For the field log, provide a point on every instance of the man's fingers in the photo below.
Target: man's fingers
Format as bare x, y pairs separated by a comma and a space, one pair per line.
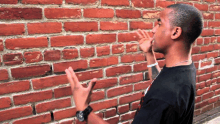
143, 33
92, 84
75, 79
148, 36
69, 77
138, 33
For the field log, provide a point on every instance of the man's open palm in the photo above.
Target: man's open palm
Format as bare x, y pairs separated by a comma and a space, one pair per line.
81, 95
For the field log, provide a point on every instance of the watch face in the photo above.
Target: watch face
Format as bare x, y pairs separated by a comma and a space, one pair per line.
80, 116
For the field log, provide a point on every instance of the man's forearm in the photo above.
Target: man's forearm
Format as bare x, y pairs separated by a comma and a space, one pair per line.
95, 119
155, 70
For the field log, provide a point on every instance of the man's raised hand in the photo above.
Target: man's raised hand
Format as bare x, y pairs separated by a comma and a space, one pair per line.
145, 41
81, 95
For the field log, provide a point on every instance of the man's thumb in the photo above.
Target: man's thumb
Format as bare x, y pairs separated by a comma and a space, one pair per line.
92, 83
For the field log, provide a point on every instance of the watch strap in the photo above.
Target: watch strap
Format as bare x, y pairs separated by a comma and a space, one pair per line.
87, 111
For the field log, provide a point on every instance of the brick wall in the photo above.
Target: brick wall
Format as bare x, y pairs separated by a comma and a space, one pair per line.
39, 39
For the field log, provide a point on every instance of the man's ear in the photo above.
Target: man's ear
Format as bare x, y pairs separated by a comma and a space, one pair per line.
176, 33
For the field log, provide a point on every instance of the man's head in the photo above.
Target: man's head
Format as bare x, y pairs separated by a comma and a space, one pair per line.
178, 22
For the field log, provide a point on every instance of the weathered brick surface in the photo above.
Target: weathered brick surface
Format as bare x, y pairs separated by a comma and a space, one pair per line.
98, 39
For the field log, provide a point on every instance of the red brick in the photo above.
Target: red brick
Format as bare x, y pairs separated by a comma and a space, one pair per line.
61, 92
117, 48
202, 104
207, 48
143, 3
13, 87
205, 24
202, 7
81, 26
83, 2
123, 109
99, 62
98, 13
44, 28
44, 118
122, 13
140, 25
30, 71
130, 98
197, 112
134, 105
63, 13
195, 50
32, 97
51, 55
105, 83
70, 53
20, 13
3, 74
51, 105
110, 112
205, 77
207, 32
132, 57
15, 113
104, 104
198, 99
61, 114
8, 1
31, 57
59, 41
213, 24
115, 3
60, 67
5, 102
217, 104
208, 15
113, 120
103, 50
26, 43
207, 40
1, 45
217, 16
87, 52
87, 75
142, 85
131, 47
212, 54
199, 41
152, 14
51, 81
97, 95
11, 29
214, 87
113, 71
214, 8
217, 92
207, 95
110, 26
207, 108
209, 0
198, 57
201, 85
164, 4
42, 1
100, 38
128, 116
119, 90
13, 58
72, 121
127, 37
202, 91
140, 67
131, 78
213, 100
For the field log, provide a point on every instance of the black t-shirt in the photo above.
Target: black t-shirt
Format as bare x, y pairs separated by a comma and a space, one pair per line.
171, 97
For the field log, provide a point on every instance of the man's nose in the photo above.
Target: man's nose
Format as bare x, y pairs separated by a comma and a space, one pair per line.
154, 29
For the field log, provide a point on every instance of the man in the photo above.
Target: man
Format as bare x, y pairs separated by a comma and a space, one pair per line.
171, 97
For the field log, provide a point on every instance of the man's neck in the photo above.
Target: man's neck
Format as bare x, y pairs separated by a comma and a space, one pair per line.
179, 57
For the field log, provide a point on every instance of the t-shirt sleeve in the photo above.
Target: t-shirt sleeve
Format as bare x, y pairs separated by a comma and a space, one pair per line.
156, 112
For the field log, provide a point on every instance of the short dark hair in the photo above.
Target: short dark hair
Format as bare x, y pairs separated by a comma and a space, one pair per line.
189, 19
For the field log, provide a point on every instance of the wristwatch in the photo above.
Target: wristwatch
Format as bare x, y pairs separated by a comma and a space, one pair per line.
83, 115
